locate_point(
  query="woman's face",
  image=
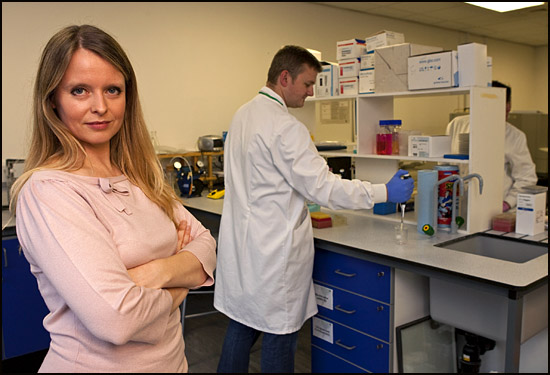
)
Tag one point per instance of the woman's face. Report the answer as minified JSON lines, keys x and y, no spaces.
{"x":91,"y":99}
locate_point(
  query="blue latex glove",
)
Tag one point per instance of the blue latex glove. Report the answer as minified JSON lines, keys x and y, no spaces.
{"x":399,"y":190}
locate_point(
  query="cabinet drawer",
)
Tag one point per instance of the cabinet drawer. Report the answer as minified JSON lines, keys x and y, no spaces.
{"x":358,"y":312}
{"x":360,"y":349}
{"x":323,"y":362}
{"x":356,"y":275}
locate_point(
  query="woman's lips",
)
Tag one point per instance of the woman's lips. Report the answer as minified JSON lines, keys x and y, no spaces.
{"x":98,"y":125}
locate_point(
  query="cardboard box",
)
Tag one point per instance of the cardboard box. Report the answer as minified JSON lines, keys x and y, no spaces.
{"x":326,"y":84}
{"x":531,"y":206}
{"x":383,"y":38}
{"x":433,"y":71}
{"x":366,"y":81}
{"x":425,"y":146}
{"x":472,"y":65}
{"x":367,"y":60}
{"x":349,"y":49}
{"x":349,"y":67}
{"x":390,"y":64}
{"x":349,"y":86}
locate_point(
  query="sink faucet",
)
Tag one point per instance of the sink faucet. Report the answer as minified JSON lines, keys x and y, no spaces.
{"x":479,"y":179}
{"x":454,"y":226}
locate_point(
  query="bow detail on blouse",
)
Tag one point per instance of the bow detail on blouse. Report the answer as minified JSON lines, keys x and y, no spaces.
{"x":114,"y":199}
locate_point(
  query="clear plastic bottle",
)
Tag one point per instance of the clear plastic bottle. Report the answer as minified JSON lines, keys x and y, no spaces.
{"x":387,"y":139}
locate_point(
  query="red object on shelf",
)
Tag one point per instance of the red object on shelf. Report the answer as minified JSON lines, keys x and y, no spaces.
{"x":320,"y":220}
{"x":505,"y":222}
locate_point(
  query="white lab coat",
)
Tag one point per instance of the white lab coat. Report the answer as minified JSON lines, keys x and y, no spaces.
{"x":265,"y":247}
{"x":519,"y":169}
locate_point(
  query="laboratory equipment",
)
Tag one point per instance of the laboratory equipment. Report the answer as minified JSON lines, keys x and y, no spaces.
{"x":401,"y":232}
{"x":211,"y":143}
{"x":189,"y":182}
{"x":445,"y":204}
{"x":425,"y":203}
{"x":387,"y":139}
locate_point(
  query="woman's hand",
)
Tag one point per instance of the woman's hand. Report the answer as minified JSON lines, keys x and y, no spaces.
{"x":154,"y":273}
{"x":184,"y":234}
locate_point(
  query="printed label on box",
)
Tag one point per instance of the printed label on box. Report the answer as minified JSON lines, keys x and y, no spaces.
{"x":323,"y":296}
{"x":323,"y":330}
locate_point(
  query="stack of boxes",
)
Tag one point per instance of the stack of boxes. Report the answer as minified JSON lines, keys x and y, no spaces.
{"x":367,"y":78}
{"x":348,"y":54}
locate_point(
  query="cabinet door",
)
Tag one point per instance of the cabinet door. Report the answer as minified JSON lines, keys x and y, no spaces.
{"x":23,"y":308}
{"x":350,"y":345}
{"x":324,"y":362}
{"x":366,"y":315}
{"x":356,"y":275}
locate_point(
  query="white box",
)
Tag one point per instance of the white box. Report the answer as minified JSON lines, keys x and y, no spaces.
{"x":434,"y":70}
{"x":367,"y":60}
{"x":390,"y":64}
{"x":433,"y":146}
{"x":349,"y":86}
{"x":317,"y":54}
{"x":349,"y":67}
{"x":531,"y":206}
{"x":472,"y":65}
{"x":489,"y":71}
{"x":383,"y":38}
{"x":326,"y":83}
{"x":366,"y":81}
{"x":349,"y":49}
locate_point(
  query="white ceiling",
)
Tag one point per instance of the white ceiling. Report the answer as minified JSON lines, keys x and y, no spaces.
{"x":526,"y":26}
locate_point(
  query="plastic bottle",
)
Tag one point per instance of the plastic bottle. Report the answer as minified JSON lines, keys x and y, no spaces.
{"x":387,"y":139}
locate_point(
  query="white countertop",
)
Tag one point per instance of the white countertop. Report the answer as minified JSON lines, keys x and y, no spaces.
{"x":376,"y":235}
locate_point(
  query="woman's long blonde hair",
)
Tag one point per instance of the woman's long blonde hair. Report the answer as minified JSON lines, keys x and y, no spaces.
{"x":54,"y":147}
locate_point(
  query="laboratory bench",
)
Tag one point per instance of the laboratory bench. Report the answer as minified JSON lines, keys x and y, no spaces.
{"x":396,"y":282}
{"x":392,"y":288}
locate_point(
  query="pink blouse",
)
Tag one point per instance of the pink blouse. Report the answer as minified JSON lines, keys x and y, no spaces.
{"x":80,"y":235}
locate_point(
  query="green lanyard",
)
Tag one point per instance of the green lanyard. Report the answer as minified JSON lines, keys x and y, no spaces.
{"x":269,"y":96}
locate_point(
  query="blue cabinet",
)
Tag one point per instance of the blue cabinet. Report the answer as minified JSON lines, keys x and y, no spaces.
{"x":23,"y":308}
{"x":352,"y":330}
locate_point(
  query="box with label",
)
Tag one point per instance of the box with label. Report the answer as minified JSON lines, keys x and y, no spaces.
{"x":326,"y":83}
{"x":366,"y":81}
{"x":349,"y":49}
{"x":390,"y":64}
{"x":349,"y":67}
{"x":472,"y":65}
{"x":531,"y":207}
{"x":433,"y":146}
{"x":349,"y":86}
{"x":433,"y":71}
{"x":383,"y":38}
{"x":489,"y":71}
{"x":367,"y":60}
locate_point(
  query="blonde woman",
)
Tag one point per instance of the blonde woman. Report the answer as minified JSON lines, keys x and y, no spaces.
{"x":113,"y":250}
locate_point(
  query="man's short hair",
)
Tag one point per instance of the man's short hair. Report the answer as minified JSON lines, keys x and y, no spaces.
{"x":291,"y":58}
{"x":508,"y":90}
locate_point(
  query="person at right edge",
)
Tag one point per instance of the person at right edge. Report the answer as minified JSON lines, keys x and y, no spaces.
{"x":519,"y":169}
{"x":265,"y":248}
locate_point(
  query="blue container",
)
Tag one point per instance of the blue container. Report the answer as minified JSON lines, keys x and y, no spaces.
{"x":385,"y":208}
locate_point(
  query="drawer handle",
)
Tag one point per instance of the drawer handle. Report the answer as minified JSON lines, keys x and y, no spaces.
{"x":381,"y":274}
{"x":338,"y":272}
{"x":5,"y":257}
{"x":345,"y":346}
{"x":379,"y":346}
{"x":380,"y":308}
{"x":344,"y":311}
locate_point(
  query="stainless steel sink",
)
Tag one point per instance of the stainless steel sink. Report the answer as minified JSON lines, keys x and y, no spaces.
{"x":493,"y":246}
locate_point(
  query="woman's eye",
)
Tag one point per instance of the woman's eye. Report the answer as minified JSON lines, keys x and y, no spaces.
{"x":114,"y":91}
{"x":77,"y":91}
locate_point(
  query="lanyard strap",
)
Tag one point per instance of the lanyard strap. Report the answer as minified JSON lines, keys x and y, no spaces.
{"x":269,"y":96}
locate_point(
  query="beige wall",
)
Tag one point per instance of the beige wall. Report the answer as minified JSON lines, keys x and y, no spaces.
{"x":197,"y":63}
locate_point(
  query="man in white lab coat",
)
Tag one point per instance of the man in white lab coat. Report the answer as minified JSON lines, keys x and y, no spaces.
{"x":265,"y":249}
{"x":519,"y":169}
